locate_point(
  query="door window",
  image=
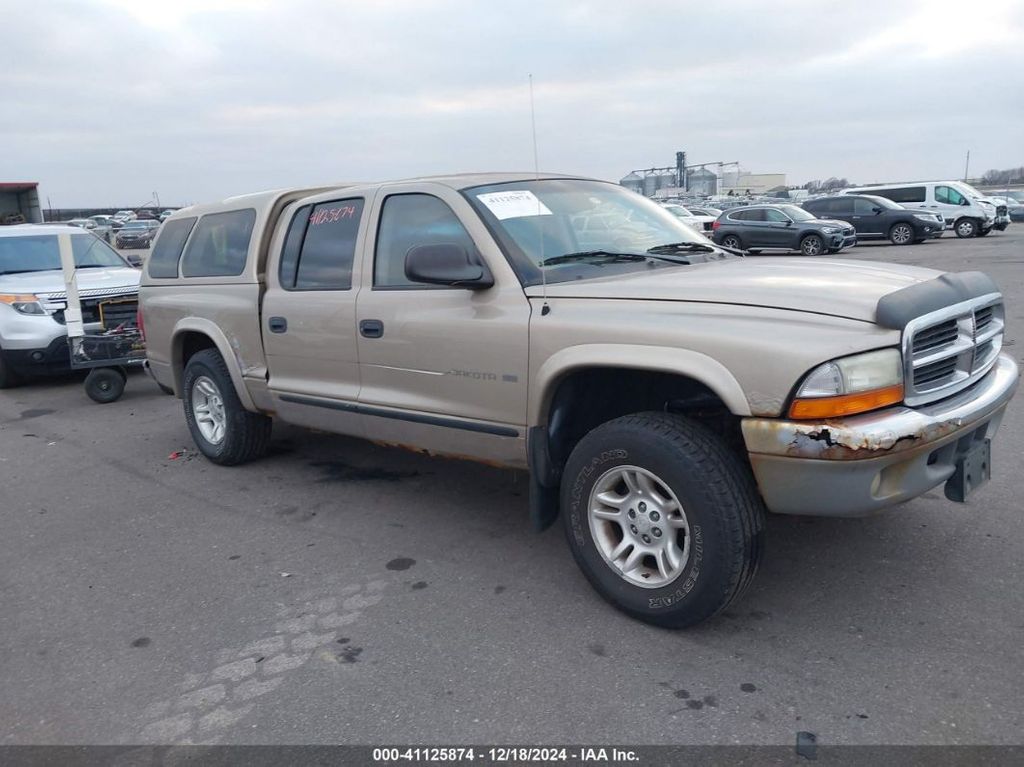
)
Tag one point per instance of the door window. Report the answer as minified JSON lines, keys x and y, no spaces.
{"x":408,"y":221}
{"x":949,"y":196}
{"x":320,"y":246}
{"x":862,"y":207}
{"x":748,"y":215}
{"x":775,"y":216}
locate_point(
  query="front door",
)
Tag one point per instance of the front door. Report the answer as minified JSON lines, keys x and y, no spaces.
{"x":442,"y":368}
{"x":779,"y":231}
{"x":309,"y":316}
{"x":868,"y":217}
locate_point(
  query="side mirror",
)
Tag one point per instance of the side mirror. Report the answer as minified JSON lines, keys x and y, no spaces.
{"x":877,"y":210}
{"x":789,"y":222}
{"x":446,"y":264}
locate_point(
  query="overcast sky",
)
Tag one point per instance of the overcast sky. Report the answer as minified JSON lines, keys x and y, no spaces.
{"x":104,"y":103}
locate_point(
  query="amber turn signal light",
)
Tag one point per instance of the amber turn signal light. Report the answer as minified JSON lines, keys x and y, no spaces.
{"x":846,"y":404}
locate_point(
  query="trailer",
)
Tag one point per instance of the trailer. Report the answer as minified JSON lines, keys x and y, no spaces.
{"x":19,"y":203}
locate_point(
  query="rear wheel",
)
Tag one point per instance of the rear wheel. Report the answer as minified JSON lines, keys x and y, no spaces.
{"x":105,"y":385}
{"x":812,"y":245}
{"x":732,"y":241}
{"x":662,"y":517}
{"x":223,"y":430}
{"x":965,"y":227}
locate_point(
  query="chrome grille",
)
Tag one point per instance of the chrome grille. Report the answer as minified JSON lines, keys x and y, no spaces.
{"x":948,"y":350}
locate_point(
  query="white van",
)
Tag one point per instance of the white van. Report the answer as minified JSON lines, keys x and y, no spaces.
{"x":966,"y":215}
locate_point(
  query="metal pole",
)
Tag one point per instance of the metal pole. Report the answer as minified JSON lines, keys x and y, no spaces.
{"x":967,"y":165}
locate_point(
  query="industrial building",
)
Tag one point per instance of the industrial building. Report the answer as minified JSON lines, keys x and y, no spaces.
{"x":700,"y":180}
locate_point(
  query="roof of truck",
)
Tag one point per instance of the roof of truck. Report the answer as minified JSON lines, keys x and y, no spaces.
{"x":457,"y":181}
{"x":27,"y":230}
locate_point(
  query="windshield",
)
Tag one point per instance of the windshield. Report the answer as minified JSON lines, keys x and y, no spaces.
{"x":562,"y":222}
{"x":40,"y":253}
{"x":795,"y":213}
{"x":136,"y":225}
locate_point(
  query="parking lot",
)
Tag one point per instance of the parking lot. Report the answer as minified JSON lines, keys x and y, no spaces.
{"x":338,"y":591}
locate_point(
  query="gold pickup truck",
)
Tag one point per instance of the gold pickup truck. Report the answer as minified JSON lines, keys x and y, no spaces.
{"x":663,"y":392}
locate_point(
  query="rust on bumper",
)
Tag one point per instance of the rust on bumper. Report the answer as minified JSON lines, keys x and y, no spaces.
{"x":859,"y":465}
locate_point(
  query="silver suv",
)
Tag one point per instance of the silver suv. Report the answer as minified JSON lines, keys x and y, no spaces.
{"x":33,"y":338}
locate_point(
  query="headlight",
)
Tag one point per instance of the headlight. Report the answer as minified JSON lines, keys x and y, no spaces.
{"x":925,"y":217}
{"x":24,"y":304}
{"x":829,"y":229}
{"x":850,"y":385}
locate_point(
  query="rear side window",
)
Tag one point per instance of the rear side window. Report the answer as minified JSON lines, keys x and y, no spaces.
{"x":320,"y":246}
{"x":163,"y":262}
{"x":902,"y":194}
{"x":220,"y":245}
{"x":748,"y":215}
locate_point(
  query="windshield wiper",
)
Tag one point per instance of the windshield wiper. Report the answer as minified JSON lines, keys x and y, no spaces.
{"x":27,"y":271}
{"x":587,"y":255}
{"x":675,"y":247}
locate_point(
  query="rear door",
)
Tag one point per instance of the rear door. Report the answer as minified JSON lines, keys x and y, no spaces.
{"x":309,"y":314}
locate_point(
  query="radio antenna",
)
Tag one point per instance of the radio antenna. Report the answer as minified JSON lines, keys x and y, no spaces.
{"x":540,"y":226}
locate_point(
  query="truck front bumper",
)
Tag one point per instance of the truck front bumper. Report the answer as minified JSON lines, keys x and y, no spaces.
{"x":851,"y":467}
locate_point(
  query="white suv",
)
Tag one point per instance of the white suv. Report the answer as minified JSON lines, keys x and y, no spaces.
{"x":33,"y":337}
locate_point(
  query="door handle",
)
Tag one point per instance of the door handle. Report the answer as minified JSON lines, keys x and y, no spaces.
{"x":371,"y":328}
{"x":277,"y":324}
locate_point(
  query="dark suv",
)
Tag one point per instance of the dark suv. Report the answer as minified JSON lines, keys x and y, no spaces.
{"x":876,"y":218}
{"x":786,"y":227}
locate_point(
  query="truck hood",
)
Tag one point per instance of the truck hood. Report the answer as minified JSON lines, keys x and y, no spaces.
{"x":112,"y":278}
{"x":834,"y":287}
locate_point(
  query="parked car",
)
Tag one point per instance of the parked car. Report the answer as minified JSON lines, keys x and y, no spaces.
{"x":33,"y":338}
{"x":700,"y":223}
{"x":1014,"y":202}
{"x":136,"y":234}
{"x":967,"y":216}
{"x":878,"y":218}
{"x":166,"y":214}
{"x":82,"y":223}
{"x":660,"y":396}
{"x":125,"y":215}
{"x":705,"y":211}
{"x":785,"y":227}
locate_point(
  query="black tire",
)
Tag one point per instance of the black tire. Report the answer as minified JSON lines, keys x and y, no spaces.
{"x":984,"y":232}
{"x":104,"y":385}
{"x":812,"y":245}
{"x":713,"y":486}
{"x":965,"y":227}
{"x":8,"y":378}
{"x":732,"y":241}
{"x":246,"y":435}
{"x":901,"y":233}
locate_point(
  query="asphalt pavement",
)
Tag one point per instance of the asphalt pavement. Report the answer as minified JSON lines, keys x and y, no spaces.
{"x":340,"y":592}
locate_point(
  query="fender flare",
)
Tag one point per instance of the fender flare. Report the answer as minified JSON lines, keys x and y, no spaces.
{"x":664,"y":359}
{"x":220,"y":341}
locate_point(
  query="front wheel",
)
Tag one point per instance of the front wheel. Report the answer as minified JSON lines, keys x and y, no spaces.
{"x":812,"y":245}
{"x":901,"y":234}
{"x":965,"y":227}
{"x":984,"y":232}
{"x":8,"y":378}
{"x":664,"y":520}
{"x":223,"y":430}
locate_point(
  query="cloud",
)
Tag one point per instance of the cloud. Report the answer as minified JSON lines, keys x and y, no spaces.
{"x":105,"y":102}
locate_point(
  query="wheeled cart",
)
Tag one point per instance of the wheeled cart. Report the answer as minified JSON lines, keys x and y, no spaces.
{"x":106,"y":352}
